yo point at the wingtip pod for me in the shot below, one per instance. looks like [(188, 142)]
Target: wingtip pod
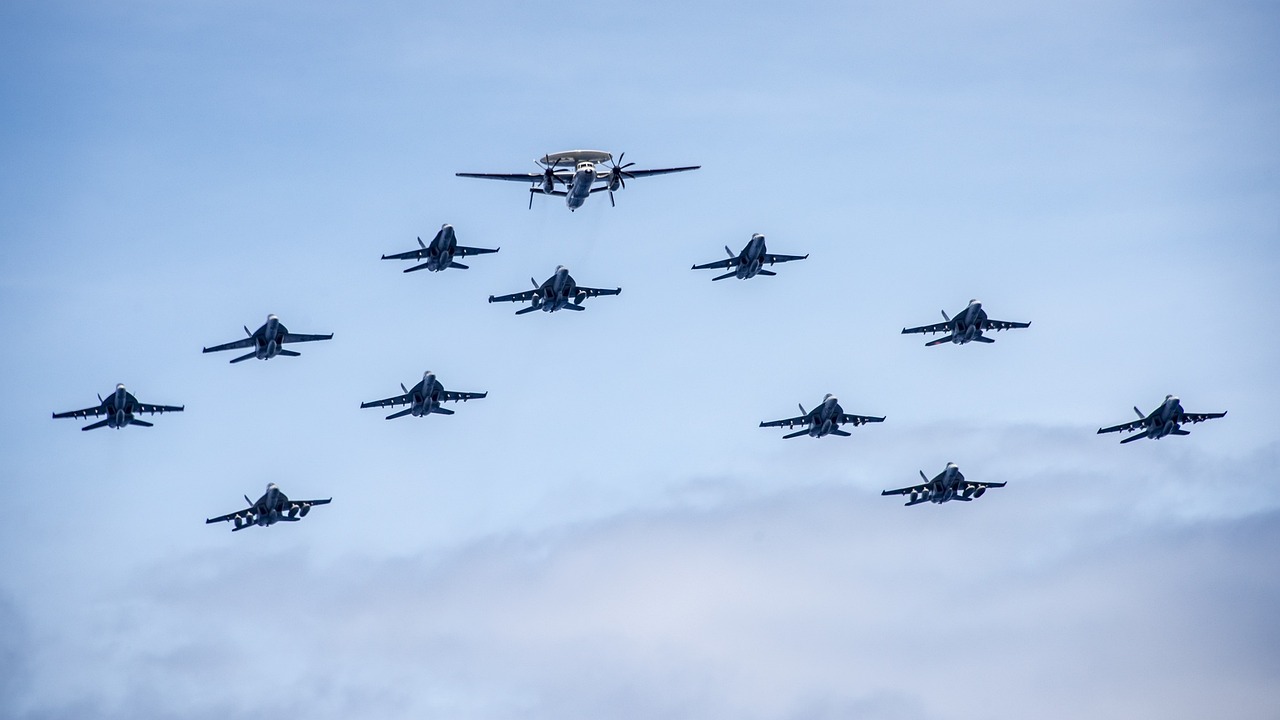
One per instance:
[(490, 298)]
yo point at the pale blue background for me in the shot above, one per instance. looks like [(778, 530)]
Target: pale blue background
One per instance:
[(609, 534)]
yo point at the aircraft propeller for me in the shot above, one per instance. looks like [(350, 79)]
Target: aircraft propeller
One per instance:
[(548, 179), (618, 175)]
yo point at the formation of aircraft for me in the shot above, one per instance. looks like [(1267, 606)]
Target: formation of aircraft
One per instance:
[(576, 175), (967, 326), (273, 507), (119, 408), (823, 420), (558, 292), (440, 254), (945, 486), (748, 263), (424, 398), (582, 182), (267, 341), (1167, 419)]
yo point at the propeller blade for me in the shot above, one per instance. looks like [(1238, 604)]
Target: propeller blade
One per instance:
[(611, 202), (531, 191)]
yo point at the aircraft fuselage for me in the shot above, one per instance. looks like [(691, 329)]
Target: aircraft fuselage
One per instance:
[(825, 417), (426, 395), (558, 291), (751, 259), (969, 323), (579, 189)]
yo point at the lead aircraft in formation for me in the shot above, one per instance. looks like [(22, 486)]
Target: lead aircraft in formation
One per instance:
[(579, 183), (424, 398), (748, 263), (967, 326), (558, 292), (1167, 419), (273, 507), (823, 420), (267, 341), (120, 408), (947, 485), (440, 254)]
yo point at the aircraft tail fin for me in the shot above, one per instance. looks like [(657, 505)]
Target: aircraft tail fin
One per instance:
[(1135, 409), (939, 341), (944, 316), (796, 434), (421, 244), (246, 499), (246, 330), (289, 353), (923, 477), (459, 266), (729, 252), (766, 272), (1139, 436), (143, 423), (729, 274), (442, 411), (95, 426), (402, 413), (244, 357)]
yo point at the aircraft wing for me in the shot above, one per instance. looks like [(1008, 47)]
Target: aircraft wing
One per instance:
[(771, 259), (451, 396), (789, 422), (236, 345), (596, 292), (525, 296), (718, 265), (1200, 417), (1003, 325), (94, 411), (295, 337), (149, 408), (461, 251), (942, 327), (857, 420), (906, 490), (231, 516), (1125, 427), (304, 503), (659, 171), (410, 255), (516, 177), (389, 402)]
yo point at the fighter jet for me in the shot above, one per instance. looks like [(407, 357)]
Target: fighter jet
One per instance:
[(120, 408), (1164, 420), (968, 325), (424, 398), (748, 263), (823, 420), (271, 508), (267, 342), (560, 291), (440, 253), (581, 182), (948, 485)]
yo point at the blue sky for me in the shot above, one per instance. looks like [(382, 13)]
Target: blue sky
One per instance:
[(609, 532)]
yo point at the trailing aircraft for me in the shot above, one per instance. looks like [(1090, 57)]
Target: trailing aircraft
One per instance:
[(1167, 419), (119, 408), (967, 326), (823, 420), (267, 341), (947, 485), (558, 292), (273, 507), (748, 263), (424, 398), (440, 253), (580, 183)]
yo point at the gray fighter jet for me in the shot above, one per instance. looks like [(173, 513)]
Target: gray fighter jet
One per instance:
[(823, 420), (267, 342), (273, 507), (1164, 420), (948, 485), (968, 325), (424, 398), (120, 408), (440, 253), (748, 263), (579, 183), (560, 291)]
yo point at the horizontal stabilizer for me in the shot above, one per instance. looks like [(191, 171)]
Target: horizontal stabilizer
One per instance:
[(529, 309), (289, 353), (841, 433), (143, 423), (921, 499), (442, 411), (1180, 431), (766, 272), (423, 266), (795, 434), (402, 413), (1139, 436), (95, 426), (573, 307), (939, 341), (729, 274), (458, 266), (244, 357), (983, 339)]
